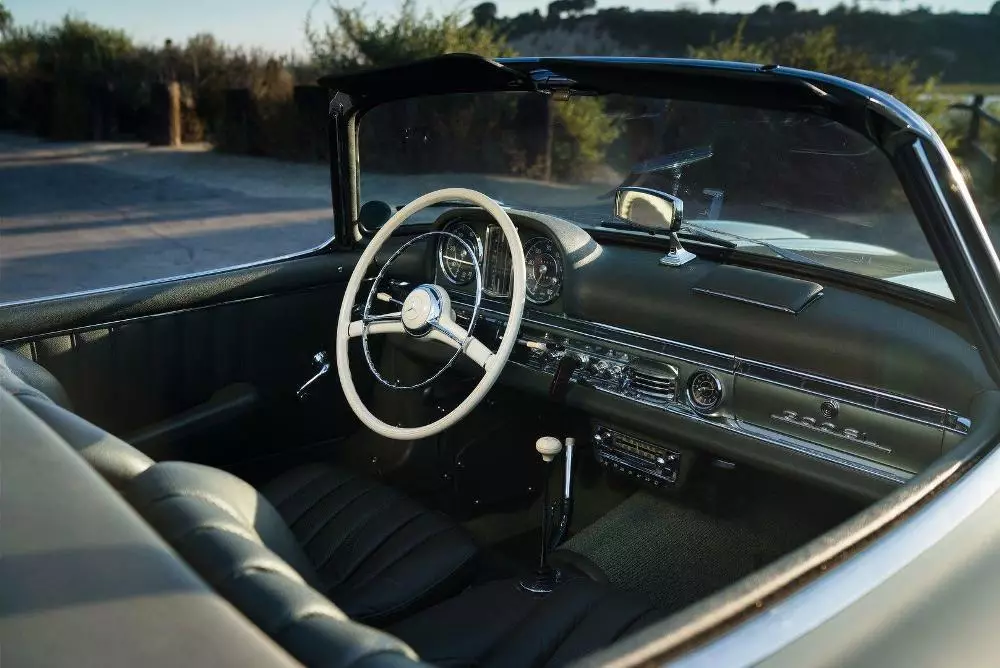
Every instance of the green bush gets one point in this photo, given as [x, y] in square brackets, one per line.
[821, 51]
[352, 40]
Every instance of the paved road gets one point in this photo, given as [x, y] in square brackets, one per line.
[83, 216]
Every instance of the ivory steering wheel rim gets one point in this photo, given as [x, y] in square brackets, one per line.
[440, 326]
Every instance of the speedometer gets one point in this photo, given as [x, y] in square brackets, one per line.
[453, 256]
[544, 266]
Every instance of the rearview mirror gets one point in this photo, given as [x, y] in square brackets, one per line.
[651, 209]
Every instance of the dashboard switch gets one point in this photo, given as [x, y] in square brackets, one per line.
[563, 375]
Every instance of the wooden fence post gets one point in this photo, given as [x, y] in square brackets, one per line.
[174, 113]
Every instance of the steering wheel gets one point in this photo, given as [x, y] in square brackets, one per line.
[426, 315]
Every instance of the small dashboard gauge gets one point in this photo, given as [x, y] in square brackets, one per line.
[544, 266]
[453, 256]
[704, 391]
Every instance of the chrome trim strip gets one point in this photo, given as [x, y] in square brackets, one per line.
[921, 411]
[984, 293]
[171, 279]
[744, 300]
[111, 324]
[767, 436]
[875, 409]
[830, 432]
[850, 386]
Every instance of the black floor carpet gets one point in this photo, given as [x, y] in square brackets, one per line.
[676, 554]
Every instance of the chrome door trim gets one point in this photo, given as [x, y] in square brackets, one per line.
[816, 603]
[170, 279]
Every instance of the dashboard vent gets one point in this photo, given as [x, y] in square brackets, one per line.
[497, 265]
[657, 385]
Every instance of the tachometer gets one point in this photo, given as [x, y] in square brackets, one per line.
[454, 257]
[544, 266]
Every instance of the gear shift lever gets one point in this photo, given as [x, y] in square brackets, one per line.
[545, 577]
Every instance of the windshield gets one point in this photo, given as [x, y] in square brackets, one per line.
[767, 180]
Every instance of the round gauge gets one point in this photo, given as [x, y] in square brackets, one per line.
[454, 256]
[544, 266]
[704, 392]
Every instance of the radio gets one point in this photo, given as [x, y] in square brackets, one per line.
[646, 462]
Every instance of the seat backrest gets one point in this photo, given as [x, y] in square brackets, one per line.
[85, 581]
[239, 544]
[42, 394]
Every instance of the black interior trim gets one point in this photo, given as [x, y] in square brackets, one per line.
[33, 320]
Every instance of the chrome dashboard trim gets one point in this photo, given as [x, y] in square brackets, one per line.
[902, 407]
[764, 435]
[939, 424]
[831, 432]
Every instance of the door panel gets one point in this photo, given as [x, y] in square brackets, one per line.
[140, 356]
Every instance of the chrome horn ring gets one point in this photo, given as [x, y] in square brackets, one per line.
[435, 306]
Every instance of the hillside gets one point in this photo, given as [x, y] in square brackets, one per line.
[955, 47]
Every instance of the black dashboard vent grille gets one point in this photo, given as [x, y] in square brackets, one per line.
[497, 265]
[658, 385]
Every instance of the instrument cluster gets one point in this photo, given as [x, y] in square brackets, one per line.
[542, 256]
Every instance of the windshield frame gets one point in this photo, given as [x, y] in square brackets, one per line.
[939, 197]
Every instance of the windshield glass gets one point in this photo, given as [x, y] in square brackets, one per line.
[767, 180]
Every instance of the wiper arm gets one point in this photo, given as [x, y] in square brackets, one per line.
[629, 226]
[783, 253]
[450, 203]
[693, 234]
[690, 234]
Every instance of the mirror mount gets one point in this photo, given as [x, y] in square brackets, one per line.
[655, 212]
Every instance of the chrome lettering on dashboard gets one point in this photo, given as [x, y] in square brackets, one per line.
[829, 410]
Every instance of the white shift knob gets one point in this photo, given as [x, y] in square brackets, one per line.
[548, 447]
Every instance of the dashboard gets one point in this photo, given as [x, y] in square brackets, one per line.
[816, 381]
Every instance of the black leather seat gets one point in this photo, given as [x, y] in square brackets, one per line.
[237, 542]
[375, 553]
[378, 556]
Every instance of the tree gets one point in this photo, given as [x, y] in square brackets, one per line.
[785, 7]
[6, 20]
[995, 9]
[484, 13]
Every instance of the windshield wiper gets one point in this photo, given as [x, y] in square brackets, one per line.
[711, 236]
[450, 203]
[691, 235]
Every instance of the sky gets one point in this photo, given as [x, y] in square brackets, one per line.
[277, 25]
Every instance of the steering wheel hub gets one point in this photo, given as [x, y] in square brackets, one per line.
[422, 307]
